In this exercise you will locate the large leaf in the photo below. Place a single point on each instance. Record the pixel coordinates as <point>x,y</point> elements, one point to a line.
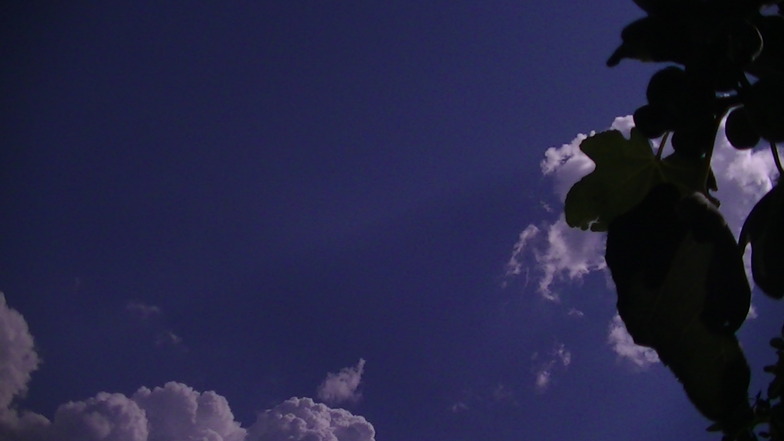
<point>764,228</point>
<point>682,290</point>
<point>626,170</point>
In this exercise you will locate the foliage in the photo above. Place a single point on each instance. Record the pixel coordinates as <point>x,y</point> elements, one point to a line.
<point>678,269</point>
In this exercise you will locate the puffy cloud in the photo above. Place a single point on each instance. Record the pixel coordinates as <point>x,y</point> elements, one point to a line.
<point>342,387</point>
<point>18,358</point>
<point>177,412</point>
<point>301,419</point>
<point>174,412</point>
<point>106,417</point>
<point>559,358</point>
<point>623,345</point>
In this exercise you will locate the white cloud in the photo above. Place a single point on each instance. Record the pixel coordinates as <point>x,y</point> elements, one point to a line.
<point>744,176</point>
<point>18,358</point>
<point>342,387</point>
<point>106,417</point>
<point>558,359</point>
<point>559,252</point>
<point>623,345</point>
<point>174,412</point>
<point>303,419</point>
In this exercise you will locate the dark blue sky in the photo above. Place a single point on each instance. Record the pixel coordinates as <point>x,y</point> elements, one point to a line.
<point>292,186</point>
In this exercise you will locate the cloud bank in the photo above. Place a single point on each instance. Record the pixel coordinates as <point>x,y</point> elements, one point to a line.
<point>173,412</point>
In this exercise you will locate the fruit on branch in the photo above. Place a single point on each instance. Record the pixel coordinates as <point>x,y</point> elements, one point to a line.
<point>652,121</point>
<point>765,105</point>
<point>682,290</point>
<point>740,130</point>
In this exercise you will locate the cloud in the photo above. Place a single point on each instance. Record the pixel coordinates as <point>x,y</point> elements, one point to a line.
<point>142,311</point>
<point>106,417</point>
<point>558,359</point>
<point>174,412</point>
<point>623,345</point>
<point>487,396</point>
<point>744,176</point>
<point>342,387</point>
<point>303,419</point>
<point>18,358</point>
<point>150,318</point>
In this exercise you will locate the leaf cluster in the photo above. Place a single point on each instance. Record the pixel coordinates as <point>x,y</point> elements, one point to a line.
<point>678,270</point>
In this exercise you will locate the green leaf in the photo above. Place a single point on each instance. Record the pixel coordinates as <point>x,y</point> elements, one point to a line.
<point>626,170</point>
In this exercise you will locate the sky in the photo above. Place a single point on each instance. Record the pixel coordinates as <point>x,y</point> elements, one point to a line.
<point>322,221</point>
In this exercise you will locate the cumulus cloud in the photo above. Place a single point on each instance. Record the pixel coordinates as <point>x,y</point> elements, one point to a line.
<point>544,367</point>
<point>174,412</point>
<point>342,387</point>
<point>106,417</point>
<point>623,345</point>
<point>18,358</point>
<point>303,419</point>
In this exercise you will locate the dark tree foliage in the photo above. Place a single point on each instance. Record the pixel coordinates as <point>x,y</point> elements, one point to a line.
<point>678,269</point>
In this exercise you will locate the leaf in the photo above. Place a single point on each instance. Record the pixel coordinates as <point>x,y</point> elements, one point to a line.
<point>682,290</point>
<point>763,229</point>
<point>626,170</point>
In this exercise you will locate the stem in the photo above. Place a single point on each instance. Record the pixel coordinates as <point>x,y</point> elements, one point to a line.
<point>776,158</point>
<point>660,150</point>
